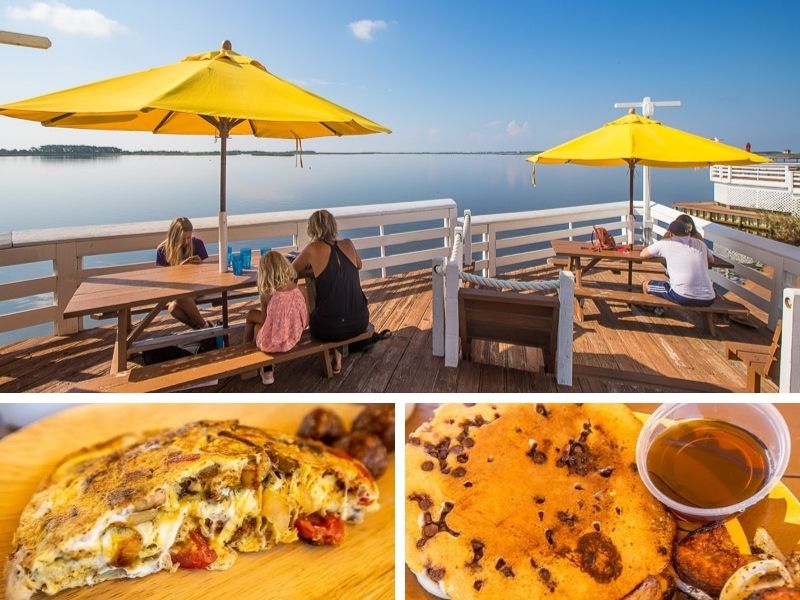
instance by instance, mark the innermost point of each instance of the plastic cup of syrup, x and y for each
(708, 462)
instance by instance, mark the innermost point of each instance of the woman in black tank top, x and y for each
(341, 310)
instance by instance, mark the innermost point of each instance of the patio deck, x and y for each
(616, 349)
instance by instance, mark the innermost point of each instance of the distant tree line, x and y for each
(62, 150)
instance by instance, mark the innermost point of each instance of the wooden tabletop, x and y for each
(155, 284)
(361, 567)
(585, 250)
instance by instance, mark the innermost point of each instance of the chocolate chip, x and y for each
(445, 470)
(596, 525)
(478, 584)
(500, 564)
(662, 550)
(462, 458)
(578, 486)
(490, 459)
(459, 472)
(456, 449)
(427, 466)
(618, 509)
(467, 484)
(423, 500)
(414, 441)
(548, 534)
(430, 530)
(477, 549)
(567, 518)
(518, 430)
(539, 499)
(580, 503)
(436, 574)
(633, 468)
(606, 472)
(534, 564)
(542, 410)
(469, 442)
(544, 574)
(599, 557)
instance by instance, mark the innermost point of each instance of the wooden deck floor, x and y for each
(616, 349)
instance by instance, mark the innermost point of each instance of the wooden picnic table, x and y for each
(121, 292)
(576, 251)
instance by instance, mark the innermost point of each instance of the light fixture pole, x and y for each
(648, 108)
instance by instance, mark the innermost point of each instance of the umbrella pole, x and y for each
(223, 217)
(631, 222)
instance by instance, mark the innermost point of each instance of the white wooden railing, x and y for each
(774, 187)
(66, 248)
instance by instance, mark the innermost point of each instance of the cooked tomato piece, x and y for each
(320, 529)
(193, 553)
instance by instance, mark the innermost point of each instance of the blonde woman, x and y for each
(284, 311)
(182, 248)
(340, 310)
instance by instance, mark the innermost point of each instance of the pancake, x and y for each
(191, 497)
(524, 501)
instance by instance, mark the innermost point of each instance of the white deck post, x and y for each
(790, 342)
(566, 296)
(437, 308)
(451, 284)
(468, 260)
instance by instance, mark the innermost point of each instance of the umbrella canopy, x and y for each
(634, 139)
(218, 93)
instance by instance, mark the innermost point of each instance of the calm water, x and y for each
(40, 193)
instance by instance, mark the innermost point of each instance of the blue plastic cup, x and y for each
(262, 251)
(236, 261)
(230, 254)
(247, 257)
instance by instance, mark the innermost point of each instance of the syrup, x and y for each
(708, 464)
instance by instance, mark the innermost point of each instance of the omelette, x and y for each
(190, 498)
(531, 501)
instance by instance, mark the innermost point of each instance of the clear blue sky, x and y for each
(443, 75)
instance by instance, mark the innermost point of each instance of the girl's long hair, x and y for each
(322, 227)
(274, 272)
(175, 250)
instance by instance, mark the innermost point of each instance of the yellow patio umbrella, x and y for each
(219, 93)
(636, 140)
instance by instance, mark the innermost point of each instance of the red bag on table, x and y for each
(602, 240)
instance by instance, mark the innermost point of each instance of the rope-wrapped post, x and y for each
(437, 308)
(451, 338)
(566, 301)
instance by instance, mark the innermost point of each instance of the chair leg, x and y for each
(753, 380)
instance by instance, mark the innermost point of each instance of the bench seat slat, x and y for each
(226, 362)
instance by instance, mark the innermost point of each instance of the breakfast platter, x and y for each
(361, 566)
(523, 467)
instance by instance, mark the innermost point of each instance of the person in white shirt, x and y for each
(687, 260)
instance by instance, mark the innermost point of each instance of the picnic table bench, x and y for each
(209, 366)
(761, 360)
(720, 306)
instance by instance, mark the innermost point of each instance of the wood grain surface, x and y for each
(791, 412)
(361, 568)
(136, 288)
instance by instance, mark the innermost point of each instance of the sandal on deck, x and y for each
(267, 375)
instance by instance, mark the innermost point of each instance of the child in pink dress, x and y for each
(277, 327)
